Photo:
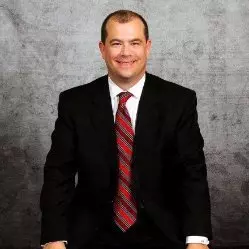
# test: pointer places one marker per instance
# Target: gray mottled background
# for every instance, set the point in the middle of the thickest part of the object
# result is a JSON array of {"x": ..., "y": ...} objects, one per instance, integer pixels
[{"x": 49, "y": 46}]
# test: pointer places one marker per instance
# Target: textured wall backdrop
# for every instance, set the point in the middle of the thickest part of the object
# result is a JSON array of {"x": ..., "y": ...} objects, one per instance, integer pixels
[{"x": 49, "y": 46}]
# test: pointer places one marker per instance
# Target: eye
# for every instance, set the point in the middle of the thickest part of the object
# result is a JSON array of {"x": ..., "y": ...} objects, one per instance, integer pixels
[
  {"x": 135, "y": 43},
  {"x": 116, "y": 44}
]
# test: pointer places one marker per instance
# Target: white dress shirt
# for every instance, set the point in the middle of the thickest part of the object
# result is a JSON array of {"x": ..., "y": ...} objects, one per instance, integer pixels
[{"x": 132, "y": 106}]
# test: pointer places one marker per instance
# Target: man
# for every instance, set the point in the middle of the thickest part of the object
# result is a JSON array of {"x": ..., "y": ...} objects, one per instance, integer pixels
[{"x": 134, "y": 140}]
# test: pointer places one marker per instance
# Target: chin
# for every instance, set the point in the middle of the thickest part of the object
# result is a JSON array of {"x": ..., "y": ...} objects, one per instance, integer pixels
[
  {"x": 126, "y": 77},
  {"x": 127, "y": 74}
]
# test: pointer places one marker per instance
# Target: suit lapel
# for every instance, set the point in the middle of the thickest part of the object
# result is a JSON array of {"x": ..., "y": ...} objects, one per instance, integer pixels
[
  {"x": 148, "y": 118},
  {"x": 103, "y": 121}
]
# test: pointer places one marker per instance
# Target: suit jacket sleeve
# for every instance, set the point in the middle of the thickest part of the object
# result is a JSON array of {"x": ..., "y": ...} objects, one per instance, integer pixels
[
  {"x": 194, "y": 188},
  {"x": 59, "y": 178}
]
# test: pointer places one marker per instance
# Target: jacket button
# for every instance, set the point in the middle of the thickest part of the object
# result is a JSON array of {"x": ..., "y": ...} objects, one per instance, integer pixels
[{"x": 142, "y": 204}]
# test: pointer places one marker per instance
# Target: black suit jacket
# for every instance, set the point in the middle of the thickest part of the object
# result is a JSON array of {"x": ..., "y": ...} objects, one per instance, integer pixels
[{"x": 168, "y": 163}]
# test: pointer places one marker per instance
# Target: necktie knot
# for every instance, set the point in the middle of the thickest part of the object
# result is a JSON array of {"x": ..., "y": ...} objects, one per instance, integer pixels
[{"x": 123, "y": 97}]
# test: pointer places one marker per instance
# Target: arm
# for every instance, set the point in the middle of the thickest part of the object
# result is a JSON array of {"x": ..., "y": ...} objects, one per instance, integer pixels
[
  {"x": 59, "y": 178},
  {"x": 194, "y": 189}
]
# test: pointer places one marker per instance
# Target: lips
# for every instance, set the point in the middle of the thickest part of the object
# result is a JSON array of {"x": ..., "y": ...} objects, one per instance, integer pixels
[{"x": 125, "y": 63}]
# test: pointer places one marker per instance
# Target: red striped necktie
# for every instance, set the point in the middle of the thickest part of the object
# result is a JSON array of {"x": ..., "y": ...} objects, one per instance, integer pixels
[{"x": 125, "y": 211}]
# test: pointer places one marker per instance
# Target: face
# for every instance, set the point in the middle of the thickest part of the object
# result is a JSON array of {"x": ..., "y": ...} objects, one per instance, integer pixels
[{"x": 125, "y": 51}]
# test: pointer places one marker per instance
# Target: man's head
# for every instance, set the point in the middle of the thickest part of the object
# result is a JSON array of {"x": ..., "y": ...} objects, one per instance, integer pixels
[{"x": 125, "y": 46}]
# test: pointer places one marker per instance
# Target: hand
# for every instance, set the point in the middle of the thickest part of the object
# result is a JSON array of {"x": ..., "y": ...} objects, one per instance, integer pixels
[
  {"x": 55, "y": 245},
  {"x": 196, "y": 246}
]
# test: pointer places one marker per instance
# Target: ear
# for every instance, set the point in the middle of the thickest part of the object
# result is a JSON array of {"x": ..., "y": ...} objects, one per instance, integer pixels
[
  {"x": 148, "y": 47},
  {"x": 102, "y": 49}
]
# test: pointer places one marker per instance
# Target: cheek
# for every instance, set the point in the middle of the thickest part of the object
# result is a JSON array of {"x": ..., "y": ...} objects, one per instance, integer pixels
[
  {"x": 140, "y": 53},
  {"x": 113, "y": 53},
  {"x": 111, "y": 57}
]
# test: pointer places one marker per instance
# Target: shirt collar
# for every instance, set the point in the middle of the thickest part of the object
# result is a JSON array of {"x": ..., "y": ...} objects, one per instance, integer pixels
[{"x": 136, "y": 90}]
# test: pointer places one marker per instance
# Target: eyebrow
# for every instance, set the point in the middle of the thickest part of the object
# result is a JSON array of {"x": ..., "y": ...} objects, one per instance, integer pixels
[{"x": 133, "y": 40}]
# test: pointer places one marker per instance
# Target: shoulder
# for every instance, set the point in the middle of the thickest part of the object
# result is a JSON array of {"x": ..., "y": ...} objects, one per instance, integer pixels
[
  {"x": 80, "y": 98},
  {"x": 172, "y": 96},
  {"x": 82, "y": 94},
  {"x": 168, "y": 88},
  {"x": 85, "y": 89}
]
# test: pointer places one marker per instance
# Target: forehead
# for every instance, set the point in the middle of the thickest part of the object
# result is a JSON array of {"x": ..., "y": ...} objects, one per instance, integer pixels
[{"x": 131, "y": 29}]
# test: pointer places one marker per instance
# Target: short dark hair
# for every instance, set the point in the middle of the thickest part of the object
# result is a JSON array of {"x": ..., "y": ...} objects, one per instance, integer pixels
[{"x": 123, "y": 16}]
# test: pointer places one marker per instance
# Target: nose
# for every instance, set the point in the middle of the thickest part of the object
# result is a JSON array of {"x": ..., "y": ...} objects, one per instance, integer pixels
[{"x": 125, "y": 50}]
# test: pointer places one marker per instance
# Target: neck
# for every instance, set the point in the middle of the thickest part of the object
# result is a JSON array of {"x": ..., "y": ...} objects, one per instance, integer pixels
[{"x": 126, "y": 84}]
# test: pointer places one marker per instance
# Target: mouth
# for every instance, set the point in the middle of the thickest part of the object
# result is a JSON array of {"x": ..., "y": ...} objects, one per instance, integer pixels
[{"x": 126, "y": 63}]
